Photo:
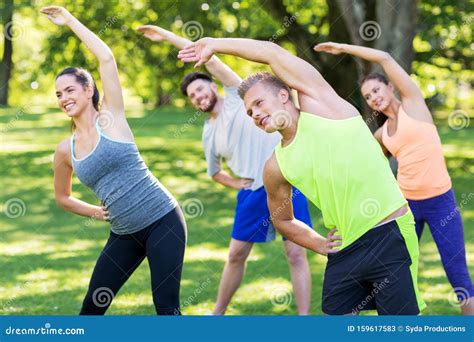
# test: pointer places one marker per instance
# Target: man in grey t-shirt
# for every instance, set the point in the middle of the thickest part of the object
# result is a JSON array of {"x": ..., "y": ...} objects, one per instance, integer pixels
[{"x": 230, "y": 135}]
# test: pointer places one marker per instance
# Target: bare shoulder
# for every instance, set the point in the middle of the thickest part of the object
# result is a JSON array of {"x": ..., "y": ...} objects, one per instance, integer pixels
[
  {"x": 330, "y": 107},
  {"x": 271, "y": 164},
  {"x": 114, "y": 123},
  {"x": 272, "y": 174},
  {"x": 417, "y": 109},
  {"x": 378, "y": 133},
  {"x": 63, "y": 152},
  {"x": 64, "y": 147}
]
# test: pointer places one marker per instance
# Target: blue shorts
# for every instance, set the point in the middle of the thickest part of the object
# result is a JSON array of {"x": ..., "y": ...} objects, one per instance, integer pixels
[{"x": 252, "y": 221}]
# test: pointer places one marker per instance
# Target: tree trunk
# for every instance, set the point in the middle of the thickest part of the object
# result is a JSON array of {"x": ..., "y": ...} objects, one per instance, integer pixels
[
  {"x": 390, "y": 26},
  {"x": 354, "y": 13},
  {"x": 6, "y": 64},
  {"x": 341, "y": 71},
  {"x": 162, "y": 98},
  {"x": 397, "y": 20},
  {"x": 341, "y": 74}
]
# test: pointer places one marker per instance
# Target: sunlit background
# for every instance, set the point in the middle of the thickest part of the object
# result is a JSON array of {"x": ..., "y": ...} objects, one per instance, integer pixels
[{"x": 47, "y": 255}]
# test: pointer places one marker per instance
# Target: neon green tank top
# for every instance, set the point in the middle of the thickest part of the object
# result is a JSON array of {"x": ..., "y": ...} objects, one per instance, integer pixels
[{"x": 339, "y": 166}]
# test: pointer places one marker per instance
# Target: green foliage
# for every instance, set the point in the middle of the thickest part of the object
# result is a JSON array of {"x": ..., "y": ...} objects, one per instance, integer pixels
[
  {"x": 151, "y": 72},
  {"x": 444, "y": 53}
]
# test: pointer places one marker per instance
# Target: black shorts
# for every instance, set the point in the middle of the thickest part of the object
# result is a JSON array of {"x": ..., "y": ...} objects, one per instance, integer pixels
[{"x": 371, "y": 273}]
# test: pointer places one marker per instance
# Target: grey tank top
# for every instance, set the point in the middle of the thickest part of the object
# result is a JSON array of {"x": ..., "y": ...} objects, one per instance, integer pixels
[{"x": 116, "y": 173}]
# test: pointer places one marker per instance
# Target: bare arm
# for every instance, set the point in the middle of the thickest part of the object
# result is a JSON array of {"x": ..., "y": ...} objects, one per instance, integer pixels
[
  {"x": 215, "y": 66},
  {"x": 62, "y": 186},
  {"x": 222, "y": 72},
  {"x": 113, "y": 98},
  {"x": 378, "y": 137},
  {"x": 227, "y": 180},
  {"x": 295, "y": 72},
  {"x": 281, "y": 212},
  {"x": 394, "y": 71}
]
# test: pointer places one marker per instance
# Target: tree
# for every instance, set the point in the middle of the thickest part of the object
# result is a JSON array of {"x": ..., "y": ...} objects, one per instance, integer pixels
[
  {"x": 6, "y": 64},
  {"x": 385, "y": 25},
  {"x": 439, "y": 55},
  {"x": 344, "y": 76}
]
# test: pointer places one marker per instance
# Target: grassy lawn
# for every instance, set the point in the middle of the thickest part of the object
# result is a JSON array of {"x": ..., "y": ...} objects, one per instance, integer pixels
[{"x": 47, "y": 255}]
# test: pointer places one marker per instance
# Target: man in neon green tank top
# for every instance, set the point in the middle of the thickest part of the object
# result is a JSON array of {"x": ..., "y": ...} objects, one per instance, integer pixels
[{"x": 328, "y": 153}]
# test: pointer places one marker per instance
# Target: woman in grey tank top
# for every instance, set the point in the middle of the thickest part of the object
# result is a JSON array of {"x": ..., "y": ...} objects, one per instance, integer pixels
[{"x": 102, "y": 153}]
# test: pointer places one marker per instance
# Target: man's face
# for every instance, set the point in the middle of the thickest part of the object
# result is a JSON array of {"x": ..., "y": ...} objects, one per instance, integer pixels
[
  {"x": 202, "y": 94},
  {"x": 266, "y": 106}
]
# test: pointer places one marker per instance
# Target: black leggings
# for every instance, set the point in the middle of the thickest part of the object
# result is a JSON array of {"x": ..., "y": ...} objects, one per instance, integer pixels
[{"x": 163, "y": 243}]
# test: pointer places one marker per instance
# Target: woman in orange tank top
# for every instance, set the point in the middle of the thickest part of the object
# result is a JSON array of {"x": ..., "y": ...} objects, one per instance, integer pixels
[{"x": 410, "y": 135}]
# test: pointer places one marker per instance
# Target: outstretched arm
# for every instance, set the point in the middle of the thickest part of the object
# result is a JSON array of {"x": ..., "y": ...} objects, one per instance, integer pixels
[
  {"x": 407, "y": 87},
  {"x": 281, "y": 213},
  {"x": 113, "y": 98},
  {"x": 215, "y": 66},
  {"x": 295, "y": 72}
]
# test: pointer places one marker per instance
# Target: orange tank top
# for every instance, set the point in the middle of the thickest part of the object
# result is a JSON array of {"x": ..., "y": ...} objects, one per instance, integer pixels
[{"x": 416, "y": 145}]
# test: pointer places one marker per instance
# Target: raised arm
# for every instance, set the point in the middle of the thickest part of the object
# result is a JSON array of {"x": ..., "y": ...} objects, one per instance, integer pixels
[
  {"x": 281, "y": 212},
  {"x": 295, "y": 72},
  {"x": 399, "y": 77},
  {"x": 113, "y": 98},
  {"x": 215, "y": 66}
]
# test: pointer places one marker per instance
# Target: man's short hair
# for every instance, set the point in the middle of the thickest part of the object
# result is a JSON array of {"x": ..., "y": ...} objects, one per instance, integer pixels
[
  {"x": 191, "y": 78},
  {"x": 266, "y": 78}
]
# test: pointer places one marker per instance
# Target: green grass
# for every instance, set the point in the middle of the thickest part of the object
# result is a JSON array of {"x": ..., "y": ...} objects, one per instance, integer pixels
[{"x": 47, "y": 255}]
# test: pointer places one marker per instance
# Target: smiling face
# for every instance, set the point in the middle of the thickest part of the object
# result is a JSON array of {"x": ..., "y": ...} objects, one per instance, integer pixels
[
  {"x": 266, "y": 106},
  {"x": 73, "y": 97},
  {"x": 377, "y": 94},
  {"x": 203, "y": 94}
]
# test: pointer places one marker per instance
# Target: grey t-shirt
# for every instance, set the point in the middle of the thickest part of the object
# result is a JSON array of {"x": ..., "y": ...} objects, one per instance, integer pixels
[{"x": 233, "y": 136}]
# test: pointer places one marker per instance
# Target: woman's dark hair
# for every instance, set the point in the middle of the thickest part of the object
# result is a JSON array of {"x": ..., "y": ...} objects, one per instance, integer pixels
[
  {"x": 84, "y": 78},
  {"x": 374, "y": 76}
]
